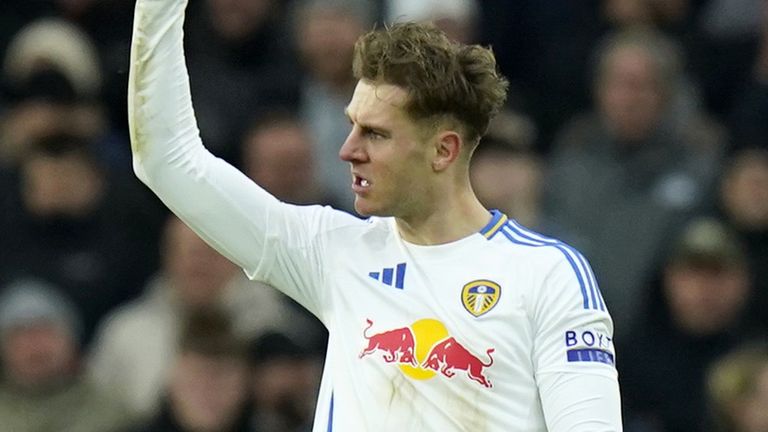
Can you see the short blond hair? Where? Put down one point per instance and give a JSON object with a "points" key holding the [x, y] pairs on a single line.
{"points": [[442, 77]]}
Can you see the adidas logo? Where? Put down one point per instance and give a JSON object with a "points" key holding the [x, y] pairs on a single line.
{"points": [[391, 276]]}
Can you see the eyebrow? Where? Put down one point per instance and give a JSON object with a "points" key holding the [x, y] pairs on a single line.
{"points": [[367, 126]]}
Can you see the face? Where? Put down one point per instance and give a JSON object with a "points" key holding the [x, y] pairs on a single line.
{"points": [[326, 43], [207, 393], [706, 300], [279, 159], [37, 355], [629, 93], [198, 273], [745, 192], [390, 159], [67, 184]]}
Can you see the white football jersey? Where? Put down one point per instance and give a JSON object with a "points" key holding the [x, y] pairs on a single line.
{"points": [[504, 330], [438, 338]]}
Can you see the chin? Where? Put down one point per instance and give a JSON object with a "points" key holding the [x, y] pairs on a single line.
{"points": [[365, 208]]}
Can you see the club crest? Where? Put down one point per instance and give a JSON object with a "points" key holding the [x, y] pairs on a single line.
{"points": [[480, 296]]}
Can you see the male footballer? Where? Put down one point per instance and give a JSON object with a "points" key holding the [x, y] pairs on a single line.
{"points": [[443, 315]]}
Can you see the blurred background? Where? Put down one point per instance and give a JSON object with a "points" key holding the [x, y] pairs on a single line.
{"points": [[635, 130]]}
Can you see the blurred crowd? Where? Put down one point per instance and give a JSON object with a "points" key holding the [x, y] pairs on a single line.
{"points": [[635, 130]]}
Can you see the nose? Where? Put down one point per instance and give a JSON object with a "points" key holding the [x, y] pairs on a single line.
{"points": [[352, 150]]}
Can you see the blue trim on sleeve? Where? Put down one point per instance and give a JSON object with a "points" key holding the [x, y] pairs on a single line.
{"points": [[582, 275], [590, 355], [594, 290], [595, 294], [330, 416]]}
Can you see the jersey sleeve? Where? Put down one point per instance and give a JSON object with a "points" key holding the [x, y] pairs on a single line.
{"points": [[574, 357], [273, 242]]}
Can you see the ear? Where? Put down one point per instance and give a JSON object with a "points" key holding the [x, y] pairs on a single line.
{"points": [[448, 145]]}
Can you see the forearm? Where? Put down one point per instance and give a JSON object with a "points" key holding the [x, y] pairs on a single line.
{"points": [[581, 403], [160, 114], [217, 201]]}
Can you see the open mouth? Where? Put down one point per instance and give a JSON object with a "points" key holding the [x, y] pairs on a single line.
{"points": [[359, 181], [360, 184]]}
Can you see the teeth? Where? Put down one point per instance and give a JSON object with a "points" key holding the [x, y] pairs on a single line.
{"points": [[364, 183]]}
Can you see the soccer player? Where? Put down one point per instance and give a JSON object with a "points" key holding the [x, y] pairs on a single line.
{"points": [[443, 315]]}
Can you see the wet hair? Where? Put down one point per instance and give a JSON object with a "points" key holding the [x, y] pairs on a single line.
{"points": [[445, 80]]}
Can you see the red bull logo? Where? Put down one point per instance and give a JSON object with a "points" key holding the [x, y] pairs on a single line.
{"points": [[425, 349], [397, 345]]}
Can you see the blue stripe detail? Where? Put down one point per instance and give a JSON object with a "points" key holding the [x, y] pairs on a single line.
{"points": [[386, 277], [583, 263], [597, 288], [496, 215], [558, 246], [374, 275], [400, 276], [594, 289], [590, 355], [330, 416]]}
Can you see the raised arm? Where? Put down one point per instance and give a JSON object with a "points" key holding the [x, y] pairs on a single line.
{"points": [[215, 199], [272, 241]]}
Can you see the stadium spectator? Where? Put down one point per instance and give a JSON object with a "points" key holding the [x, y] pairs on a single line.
{"points": [[52, 77], [43, 388], [207, 389], [240, 60], [277, 154], [67, 220], [737, 386], [508, 175], [643, 159], [694, 314], [285, 384], [133, 354], [723, 49], [743, 202], [325, 34]]}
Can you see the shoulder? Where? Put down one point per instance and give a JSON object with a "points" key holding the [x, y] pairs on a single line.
{"points": [[561, 271], [325, 220], [346, 227], [542, 251]]}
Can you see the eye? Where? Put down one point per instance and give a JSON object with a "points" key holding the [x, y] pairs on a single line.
{"points": [[373, 134]]}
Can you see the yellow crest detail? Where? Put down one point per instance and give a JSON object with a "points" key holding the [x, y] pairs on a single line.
{"points": [[480, 296]]}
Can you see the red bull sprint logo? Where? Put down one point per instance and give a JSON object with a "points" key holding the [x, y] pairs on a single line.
{"points": [[425, 349]]}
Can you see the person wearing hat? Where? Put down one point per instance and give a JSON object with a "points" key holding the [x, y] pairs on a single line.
{"points": [[42, 388], [695, 312]]}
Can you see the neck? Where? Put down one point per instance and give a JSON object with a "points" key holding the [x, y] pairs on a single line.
{"points": [[455, 216]]}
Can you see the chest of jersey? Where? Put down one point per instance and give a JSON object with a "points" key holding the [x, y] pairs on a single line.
{"points": [[443, 333]]}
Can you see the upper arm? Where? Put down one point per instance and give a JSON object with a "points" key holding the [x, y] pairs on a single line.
{"points": [[574, 344]]}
